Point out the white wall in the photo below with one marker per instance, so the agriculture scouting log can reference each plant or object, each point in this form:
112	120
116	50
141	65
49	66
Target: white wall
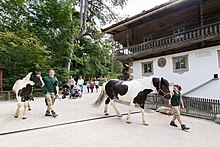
203	64
210	90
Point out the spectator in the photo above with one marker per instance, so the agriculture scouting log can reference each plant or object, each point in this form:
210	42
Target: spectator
91	86
97	86
80	82
71	82
87	86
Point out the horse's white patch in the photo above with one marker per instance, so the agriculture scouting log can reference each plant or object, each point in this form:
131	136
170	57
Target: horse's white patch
42	81
21	84
135	86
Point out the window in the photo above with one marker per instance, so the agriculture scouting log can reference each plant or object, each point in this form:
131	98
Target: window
177	31
148	38
180	64
147	68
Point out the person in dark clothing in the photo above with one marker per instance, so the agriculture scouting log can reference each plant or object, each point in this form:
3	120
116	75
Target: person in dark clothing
174	104
51	90
91	86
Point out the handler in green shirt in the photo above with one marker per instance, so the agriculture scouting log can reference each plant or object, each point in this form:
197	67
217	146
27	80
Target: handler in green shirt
174	103
50	90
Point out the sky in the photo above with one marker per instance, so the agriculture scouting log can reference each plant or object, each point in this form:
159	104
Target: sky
137	6
134	7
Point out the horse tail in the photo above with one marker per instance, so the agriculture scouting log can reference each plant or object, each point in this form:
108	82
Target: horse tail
101	97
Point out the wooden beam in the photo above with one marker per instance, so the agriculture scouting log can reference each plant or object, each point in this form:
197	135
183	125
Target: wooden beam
145	15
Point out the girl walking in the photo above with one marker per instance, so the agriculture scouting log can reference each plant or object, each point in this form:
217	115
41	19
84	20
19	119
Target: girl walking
174	104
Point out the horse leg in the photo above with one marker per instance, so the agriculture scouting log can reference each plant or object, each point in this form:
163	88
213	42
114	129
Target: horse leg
19	104
25	110
106	106
143	117
114	107
29	106
128	118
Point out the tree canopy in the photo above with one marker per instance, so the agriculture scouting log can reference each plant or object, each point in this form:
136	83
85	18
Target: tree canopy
44	34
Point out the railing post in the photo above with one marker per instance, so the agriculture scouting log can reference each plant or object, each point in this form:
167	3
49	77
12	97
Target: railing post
202	33
198	34
9	96
194	35
215	30
207	31
219	28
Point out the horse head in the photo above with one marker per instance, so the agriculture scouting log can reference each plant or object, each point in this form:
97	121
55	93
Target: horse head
36	78
162	86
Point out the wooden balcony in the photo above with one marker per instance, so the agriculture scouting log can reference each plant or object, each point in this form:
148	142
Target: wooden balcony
171	44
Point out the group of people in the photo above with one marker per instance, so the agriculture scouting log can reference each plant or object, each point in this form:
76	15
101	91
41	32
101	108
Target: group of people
92	85
78	85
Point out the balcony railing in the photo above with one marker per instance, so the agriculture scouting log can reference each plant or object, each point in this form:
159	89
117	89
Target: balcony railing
196	35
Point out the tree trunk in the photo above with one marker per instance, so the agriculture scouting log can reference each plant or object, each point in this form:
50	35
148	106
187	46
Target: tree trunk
83	13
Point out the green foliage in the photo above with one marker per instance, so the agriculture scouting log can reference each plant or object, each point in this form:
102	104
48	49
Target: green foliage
45	34
22	53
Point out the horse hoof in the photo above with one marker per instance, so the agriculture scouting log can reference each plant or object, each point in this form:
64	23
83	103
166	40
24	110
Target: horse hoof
145	124
29	109
119	115
106	114
15	116
24	117
128	122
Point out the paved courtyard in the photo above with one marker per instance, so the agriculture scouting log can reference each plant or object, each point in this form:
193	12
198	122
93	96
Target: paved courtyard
105	132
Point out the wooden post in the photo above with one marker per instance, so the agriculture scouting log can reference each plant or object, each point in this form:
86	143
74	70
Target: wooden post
1	78
130	70
9	96
201	17
127	37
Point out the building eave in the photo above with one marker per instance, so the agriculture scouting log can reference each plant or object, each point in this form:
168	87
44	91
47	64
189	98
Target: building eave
124	23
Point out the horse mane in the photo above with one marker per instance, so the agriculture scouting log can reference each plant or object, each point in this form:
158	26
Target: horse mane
27	77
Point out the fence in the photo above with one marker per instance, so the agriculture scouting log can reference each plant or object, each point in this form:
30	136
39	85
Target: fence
9	95
5	95
198	107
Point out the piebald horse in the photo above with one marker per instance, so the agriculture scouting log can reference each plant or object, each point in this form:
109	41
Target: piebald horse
134	92
23	90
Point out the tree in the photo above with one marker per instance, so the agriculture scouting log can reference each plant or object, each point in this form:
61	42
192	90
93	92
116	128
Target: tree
55	26
103	10
22	53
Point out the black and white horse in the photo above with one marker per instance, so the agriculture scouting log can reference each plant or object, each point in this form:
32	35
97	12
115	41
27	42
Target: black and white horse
134	92
23	90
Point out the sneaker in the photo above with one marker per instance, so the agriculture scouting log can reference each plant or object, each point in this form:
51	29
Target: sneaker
48	113
184	127
54	114
172	123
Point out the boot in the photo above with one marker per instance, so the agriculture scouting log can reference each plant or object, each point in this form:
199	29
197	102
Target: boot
54	113
184	127
48	113
172	123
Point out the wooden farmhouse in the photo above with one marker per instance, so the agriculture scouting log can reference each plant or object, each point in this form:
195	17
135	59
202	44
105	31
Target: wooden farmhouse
178	40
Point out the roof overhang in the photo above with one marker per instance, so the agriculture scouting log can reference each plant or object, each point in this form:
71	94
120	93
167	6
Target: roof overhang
121	26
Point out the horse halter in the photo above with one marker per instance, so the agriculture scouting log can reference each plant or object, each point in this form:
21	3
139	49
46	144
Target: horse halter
159	89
